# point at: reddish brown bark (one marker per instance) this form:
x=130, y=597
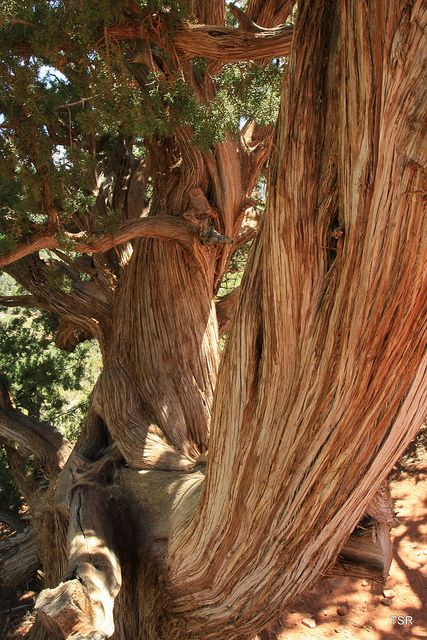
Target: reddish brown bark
x=323, y=381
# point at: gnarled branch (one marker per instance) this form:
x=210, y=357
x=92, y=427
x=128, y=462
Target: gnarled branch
x=230, y=45
x=13, y=520
x=215, y=42
x=32, y=437
x=18, y=558
x=160, y=227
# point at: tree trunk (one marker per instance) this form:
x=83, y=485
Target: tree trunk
x=322, y=384
x=165, y=348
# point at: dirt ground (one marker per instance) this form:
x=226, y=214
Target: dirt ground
x=367, y=612
x=344, y=608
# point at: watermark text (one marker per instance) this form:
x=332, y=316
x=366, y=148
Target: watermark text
x=402, y=620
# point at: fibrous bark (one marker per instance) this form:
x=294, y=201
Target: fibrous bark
x=165, y=227
x=19, y=558
x=31, y=437
x=225, y=308
x=13, y=520
x=323, y=381
x=163, y=353
x=226, y=45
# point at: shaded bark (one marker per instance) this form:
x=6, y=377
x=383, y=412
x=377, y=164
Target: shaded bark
x=31, y=437
x=13, y=520
x=227, y=45
x=19, y=558
x=368, y=551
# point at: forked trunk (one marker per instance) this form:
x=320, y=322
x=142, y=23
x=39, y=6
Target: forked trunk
x=323, y=381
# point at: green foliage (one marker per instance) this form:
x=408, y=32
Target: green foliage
x=235, y=271
x=253, y=91
x=9, y=494
x=45, y=382
x=244, y=92
x=66, y=86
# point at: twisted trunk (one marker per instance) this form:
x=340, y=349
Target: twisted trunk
x=327, y=351
x=323, y=381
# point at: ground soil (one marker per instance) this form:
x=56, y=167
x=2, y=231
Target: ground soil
x=365, y=612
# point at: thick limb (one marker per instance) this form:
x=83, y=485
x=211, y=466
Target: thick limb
x=19, y=558
x=31, y=437
x=82, y=604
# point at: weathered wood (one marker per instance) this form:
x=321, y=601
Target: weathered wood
x=13, y=520
x=83, y=604
x=165, y=227
x=228, y=45
x=368, y=551
x=323, y=382
x=165, y=316
x=19, y=558
x=30, y=436
x=218, y=43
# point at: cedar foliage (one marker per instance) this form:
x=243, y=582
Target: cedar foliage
x=70, y=96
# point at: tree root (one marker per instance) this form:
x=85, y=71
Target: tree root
x=82, y=605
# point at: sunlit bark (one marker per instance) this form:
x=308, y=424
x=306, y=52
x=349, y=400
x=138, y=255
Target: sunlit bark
x=323, y=382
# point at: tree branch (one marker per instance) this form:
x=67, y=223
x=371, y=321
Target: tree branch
x=13, y=520
x=269, y=12
x=160, y=227
x=215, y=42
x=247, y=234
x=245, y=21
x=32, y=437
x=17, y=301
x=19, y=558
x=225, y=308
x=48, y=204
x=230, y=45
x=85, y=305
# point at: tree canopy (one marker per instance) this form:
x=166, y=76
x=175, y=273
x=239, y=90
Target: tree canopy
x=82, y=85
